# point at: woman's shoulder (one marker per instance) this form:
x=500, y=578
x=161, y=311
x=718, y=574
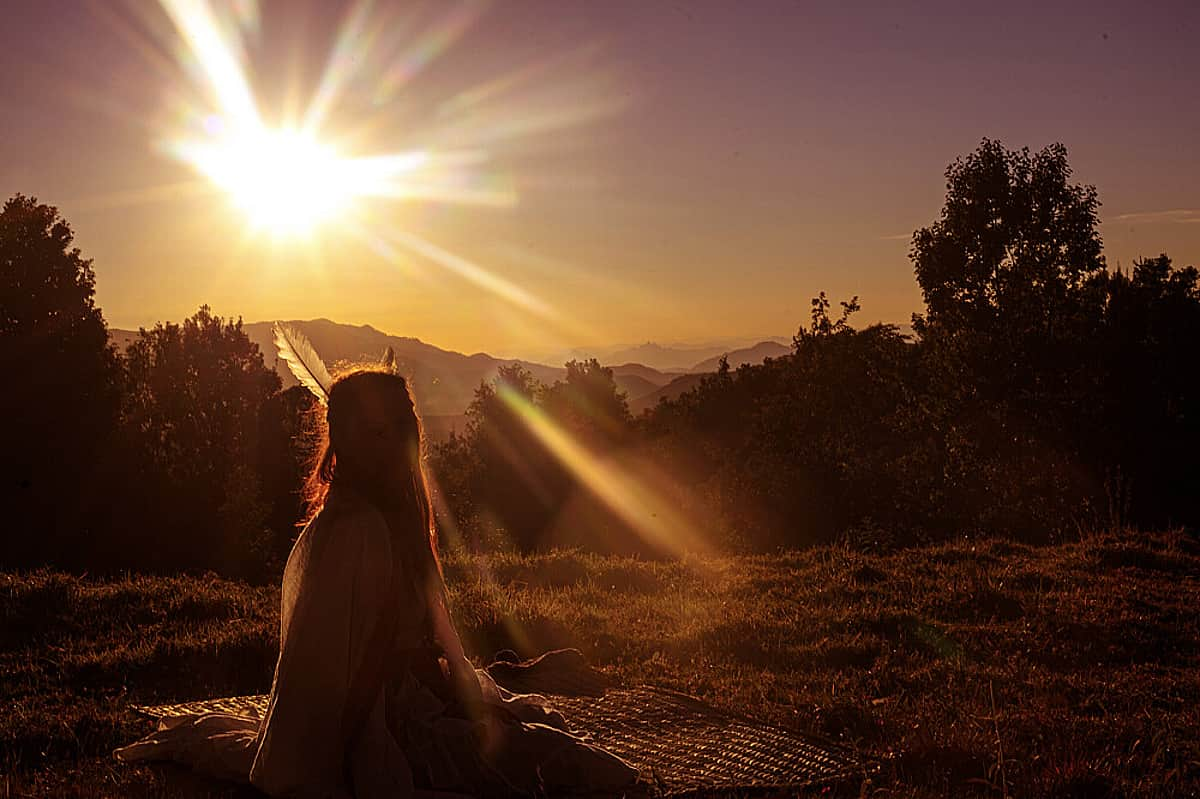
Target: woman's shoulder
x=349, y=521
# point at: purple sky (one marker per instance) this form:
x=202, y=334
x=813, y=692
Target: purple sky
x=682, y=171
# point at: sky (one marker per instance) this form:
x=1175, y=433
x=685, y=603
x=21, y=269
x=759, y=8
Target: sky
x=591, y=174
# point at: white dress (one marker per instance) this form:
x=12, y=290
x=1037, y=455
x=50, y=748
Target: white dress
x=335, y=585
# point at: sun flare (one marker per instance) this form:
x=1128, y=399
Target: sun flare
x=285, y=181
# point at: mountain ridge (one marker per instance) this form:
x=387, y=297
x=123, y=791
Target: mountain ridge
x=444, y=381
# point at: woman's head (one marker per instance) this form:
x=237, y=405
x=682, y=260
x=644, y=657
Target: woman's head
x=373, y=446
x=374, y=434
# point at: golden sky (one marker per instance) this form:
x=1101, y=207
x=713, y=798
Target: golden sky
x=592, y=174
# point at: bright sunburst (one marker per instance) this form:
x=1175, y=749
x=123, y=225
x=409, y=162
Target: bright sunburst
x=285, y=181
x=292, y=177
x=317, y=170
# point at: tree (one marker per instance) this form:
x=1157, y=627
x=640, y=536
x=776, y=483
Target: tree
x=494, y=477
x=195, y=394
x=1016, y=246
x=821, y=324
x=588, y=404
x=287, y=447
x=1148, y=355
x=1012, y=275
x=826, y=428
x=62, y=386
x=801, y=448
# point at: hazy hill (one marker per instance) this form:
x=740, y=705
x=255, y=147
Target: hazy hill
x=674, y=358
x=752, y=355
x=122, y=338
x=671, y=390
x=444, y=381
x=646, y=373
x=677, y=359
x=635, y=387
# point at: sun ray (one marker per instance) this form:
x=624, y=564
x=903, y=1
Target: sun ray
x=475, y=274
x=220, y=68
x=427, y=47
x=631, y=495
x=354, y=42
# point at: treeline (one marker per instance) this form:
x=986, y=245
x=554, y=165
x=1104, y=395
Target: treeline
x=180, y=453
x=1039, y=392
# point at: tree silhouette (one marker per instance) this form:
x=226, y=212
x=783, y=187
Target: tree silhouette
x=286, y=448
x=62, y=387
x=493, y=476
x=821, y=324
x=804, y=447
x=1016, y=246
x=1012, y=275
x=1150, y=386
x=588, y=404
x=500, y=475
x=192, y=410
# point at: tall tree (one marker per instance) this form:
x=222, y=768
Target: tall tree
x=195, y=394
x=62, y=386
x=1013, y=278
x=515, y=483
x=588, y=403
x=286, y=449
x=1150, y=351
x=1016, y=245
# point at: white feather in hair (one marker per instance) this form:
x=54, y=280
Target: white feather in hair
x=298, y=353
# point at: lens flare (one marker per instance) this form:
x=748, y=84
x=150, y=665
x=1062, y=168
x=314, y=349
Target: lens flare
x=634, y=495
x=286, y=182
x=289, y=180
x=358, y=159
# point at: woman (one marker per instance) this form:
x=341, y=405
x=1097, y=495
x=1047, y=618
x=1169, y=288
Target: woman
x=373, y=695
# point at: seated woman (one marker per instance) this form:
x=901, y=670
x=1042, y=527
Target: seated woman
x=373, y=695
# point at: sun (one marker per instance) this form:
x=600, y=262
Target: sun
x=285, y=181
x=308, y=169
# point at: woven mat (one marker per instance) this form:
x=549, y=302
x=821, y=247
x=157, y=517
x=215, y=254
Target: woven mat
x=680, y=744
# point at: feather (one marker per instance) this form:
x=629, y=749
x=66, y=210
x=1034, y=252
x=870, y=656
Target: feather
x=297, y=351
x=389, y=359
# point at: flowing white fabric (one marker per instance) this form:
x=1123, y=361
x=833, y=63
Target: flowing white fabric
x=335, y=587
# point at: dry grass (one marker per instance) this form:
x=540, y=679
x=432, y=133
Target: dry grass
x=986, y=669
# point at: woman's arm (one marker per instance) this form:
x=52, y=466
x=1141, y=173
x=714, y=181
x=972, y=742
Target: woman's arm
x=462, y=673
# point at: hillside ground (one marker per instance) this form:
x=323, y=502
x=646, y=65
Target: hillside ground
x=967, y=669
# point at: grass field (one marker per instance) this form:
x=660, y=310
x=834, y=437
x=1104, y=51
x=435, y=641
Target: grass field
x=968, y=669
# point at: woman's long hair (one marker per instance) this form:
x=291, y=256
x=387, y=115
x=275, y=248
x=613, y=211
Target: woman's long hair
x=404, y=503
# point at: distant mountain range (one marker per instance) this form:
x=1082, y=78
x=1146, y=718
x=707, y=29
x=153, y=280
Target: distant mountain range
x=444, y=381
x=675, y=358
x=756, y=354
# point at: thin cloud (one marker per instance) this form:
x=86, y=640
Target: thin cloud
x=897, y=237
x=1177, y=216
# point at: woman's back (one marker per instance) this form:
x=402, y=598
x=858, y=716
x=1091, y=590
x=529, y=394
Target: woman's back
x=336, y=587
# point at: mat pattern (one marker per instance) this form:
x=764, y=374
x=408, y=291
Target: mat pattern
x=679, y=743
